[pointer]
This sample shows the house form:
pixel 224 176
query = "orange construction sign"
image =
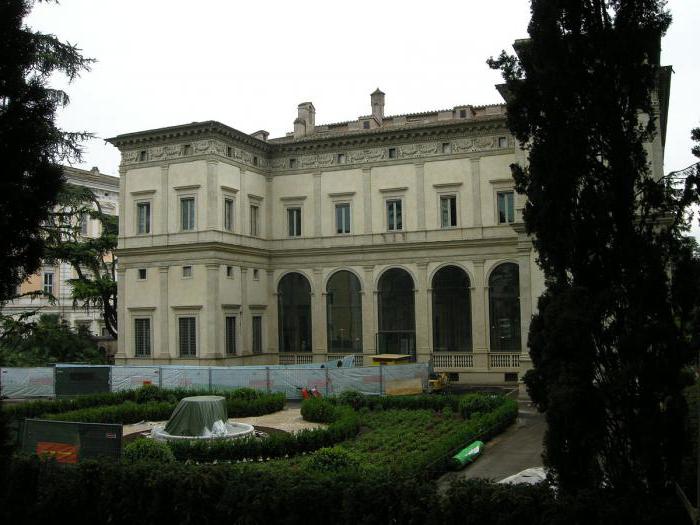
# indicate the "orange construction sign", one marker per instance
pixel 63 452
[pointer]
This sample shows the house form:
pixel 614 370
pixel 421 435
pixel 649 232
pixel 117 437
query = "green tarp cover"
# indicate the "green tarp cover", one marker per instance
pixel 193 414
pixel 468 454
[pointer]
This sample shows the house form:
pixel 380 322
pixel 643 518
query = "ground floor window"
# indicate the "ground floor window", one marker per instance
pixel 257 334
pixel 142 336
pixel 188 336
pixel 397 314
pixel 451 311
pixel 230 335
pixel 344 313
pixel 294 311
pixel 504 308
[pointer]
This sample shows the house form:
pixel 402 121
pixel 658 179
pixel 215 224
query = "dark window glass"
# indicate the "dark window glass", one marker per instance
pixel 294 222
pixel 505 207
pixel 342 218
pixel 294 311
pixel 142 337
pixel 230 335
pixel 504 308
pixel 344 313
pixel 257 334
pixel 451 311
pixel 397 321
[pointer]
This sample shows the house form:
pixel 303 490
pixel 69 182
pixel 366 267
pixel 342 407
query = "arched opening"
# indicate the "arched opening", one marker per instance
pixel 452 325
pixel 397 314
pixel 504 308
pixel 344 313
pixel 294 313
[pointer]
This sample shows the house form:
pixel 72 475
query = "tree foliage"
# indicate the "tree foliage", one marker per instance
pixel 31 145
pixel 612 333
pixel 91 258
pixel 47 341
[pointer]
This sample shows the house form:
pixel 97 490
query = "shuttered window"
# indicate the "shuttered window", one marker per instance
pixel 230 335
pixel 142 336
pixel 188 337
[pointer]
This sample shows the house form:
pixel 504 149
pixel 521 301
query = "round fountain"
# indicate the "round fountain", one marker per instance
pixel 201 417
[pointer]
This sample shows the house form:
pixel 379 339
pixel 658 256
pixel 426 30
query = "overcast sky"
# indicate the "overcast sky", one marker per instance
pixel 249 64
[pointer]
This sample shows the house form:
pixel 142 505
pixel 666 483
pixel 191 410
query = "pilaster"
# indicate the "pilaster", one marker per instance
pixel 212 348
pixel 272 314
pixel 476 190
pixel 246 328
pixel 317 205
pixel 318 314
pixel 420 195
pixel 269 207
pixel 368 318
pixel 243 206
pixel 122 207
pixel 163 348
pixel 479 298
pixel 124 331
pixel 422 320
pixel 212 218
pixel 164 199
pixel 367 199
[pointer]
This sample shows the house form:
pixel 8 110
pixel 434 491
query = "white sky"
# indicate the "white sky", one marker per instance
pixel 249 64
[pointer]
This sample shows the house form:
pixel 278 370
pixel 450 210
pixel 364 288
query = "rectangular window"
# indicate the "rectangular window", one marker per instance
pixel 392 153
pixel 342 218
pixel 142 274
pixel 448 211
pixel 48 283
pixel 229 272
pixel 187 213
pixel 257 334
pixel 294 222
pixel 341 158
pixel 292 163
pixel 143 156
pixel 505 207
pixel 188 336
pixel 502 142
pixel 186 271
pixel 253 220
pixel 143 217
pixel 393 215
pixel 142 337
pixel 84 224
pixel 228 214
pixel 230 335
pixel 229 151
pixel 446 147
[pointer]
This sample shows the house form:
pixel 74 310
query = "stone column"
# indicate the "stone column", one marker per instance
pixel 211 325
pixel 421 306
pixel 318 316
pixel 367 199
pixel 212 217
pixel 317 207
pixel 246 328
pixel 479 298
pixel 163 351
pixel 122 351
pixel 476 190
pixel 368 326
pixel 164 200
pixel 269 207
pixel 420 195
pixel 273 316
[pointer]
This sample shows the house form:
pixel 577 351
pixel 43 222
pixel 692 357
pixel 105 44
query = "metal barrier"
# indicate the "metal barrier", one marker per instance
pixel 328 378
pixel 70 442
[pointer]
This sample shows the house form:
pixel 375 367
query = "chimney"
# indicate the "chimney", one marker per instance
pixel 261 135
pixel 299 128
pixel 378 105
pixel 307 114
pixel 95 170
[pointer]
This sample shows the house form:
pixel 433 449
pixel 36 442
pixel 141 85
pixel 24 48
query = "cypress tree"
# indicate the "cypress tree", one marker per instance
pixel 607 343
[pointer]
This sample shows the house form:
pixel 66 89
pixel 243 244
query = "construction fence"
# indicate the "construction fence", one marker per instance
pixel 327 378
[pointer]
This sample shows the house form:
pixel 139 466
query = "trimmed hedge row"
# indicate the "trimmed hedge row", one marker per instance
pixel 466 405
pixel 344 424
pixel 146 403
pixel 34 490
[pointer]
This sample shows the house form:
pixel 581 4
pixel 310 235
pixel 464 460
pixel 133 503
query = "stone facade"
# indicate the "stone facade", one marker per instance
pixel 208 270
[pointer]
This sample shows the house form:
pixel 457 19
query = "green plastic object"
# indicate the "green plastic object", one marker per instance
pixel 195 414
pixel 468 454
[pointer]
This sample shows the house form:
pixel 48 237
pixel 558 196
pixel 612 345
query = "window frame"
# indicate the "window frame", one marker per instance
pixel 191 271
pixel 149 339
pixel 227 339
pixel 454 218
pixel 256 344
pixel 50 285
pixel 343 204
pixel 294 221
pixel 181 199
pixel 195 319
pixel 139 204
pixel 254 231
pixel 387 202
pixel 138 274
pixel 229 215
pixel 505 192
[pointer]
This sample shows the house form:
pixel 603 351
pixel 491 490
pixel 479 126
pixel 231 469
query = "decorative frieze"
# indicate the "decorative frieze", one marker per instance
pixel 309 161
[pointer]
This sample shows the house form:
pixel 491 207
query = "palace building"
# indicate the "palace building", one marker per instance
pixel 385 234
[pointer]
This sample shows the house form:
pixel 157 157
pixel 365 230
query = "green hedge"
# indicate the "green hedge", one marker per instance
pixel 146 403
pixel 93 492
pixel 344 424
